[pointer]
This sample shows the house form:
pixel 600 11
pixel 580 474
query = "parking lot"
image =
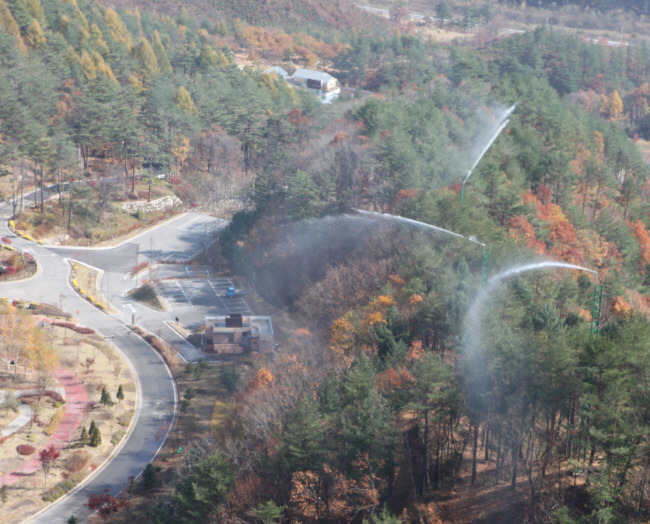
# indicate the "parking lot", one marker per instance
pixel 202 292
pixel 165 271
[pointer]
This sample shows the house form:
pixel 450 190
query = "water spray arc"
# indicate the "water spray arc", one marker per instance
pixel 473 340
pixel 485 269
pixel 502 124
pixel 472 330
pixel 486 254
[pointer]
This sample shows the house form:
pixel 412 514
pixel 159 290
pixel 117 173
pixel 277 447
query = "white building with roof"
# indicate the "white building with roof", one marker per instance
pixel 323 84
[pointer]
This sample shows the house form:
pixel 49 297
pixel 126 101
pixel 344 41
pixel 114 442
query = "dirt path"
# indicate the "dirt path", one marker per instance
pixel 74 409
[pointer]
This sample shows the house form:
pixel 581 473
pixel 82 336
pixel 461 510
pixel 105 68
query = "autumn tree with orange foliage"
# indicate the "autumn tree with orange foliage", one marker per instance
pixel 643 238
pixel 522 231
pixel 262 378
pixel 620 307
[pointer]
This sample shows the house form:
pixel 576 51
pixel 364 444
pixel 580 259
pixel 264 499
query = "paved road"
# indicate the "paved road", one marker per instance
pixel 182 236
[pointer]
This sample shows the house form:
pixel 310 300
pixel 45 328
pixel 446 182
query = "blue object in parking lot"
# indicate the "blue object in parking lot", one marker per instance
pixel 231 292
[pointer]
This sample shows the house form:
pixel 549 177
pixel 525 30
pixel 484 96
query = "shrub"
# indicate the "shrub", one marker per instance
pixel 125 419
pixel 25 449
pixel 139 267
pixel 77 461
pixel 56 397
pixel 62 487
pixel 74 327
pixel 117 437
pixel 54 422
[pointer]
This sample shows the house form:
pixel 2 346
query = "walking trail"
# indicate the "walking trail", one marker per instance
pixel 74 409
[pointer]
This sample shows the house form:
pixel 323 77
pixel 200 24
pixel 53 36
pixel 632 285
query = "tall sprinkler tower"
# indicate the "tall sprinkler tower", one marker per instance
pixel 595 308
pixel 485 270
pixel 502 124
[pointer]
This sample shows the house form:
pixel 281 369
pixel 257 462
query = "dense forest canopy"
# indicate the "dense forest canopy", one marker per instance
pixel 369 414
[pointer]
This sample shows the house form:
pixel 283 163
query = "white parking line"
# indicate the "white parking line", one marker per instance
pixel 218 295
pixel 183 291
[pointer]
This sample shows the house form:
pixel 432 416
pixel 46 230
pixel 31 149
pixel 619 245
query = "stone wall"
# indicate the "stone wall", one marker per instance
pixel 160 204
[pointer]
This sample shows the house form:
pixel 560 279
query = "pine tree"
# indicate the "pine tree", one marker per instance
pixel 208 58
pixel 120 393
pixel 443 11
pixel 149 475
pixel 95 435
pixel 302 198
pixel 106 399
pixel 84 438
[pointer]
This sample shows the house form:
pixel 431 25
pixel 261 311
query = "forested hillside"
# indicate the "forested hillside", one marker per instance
pixel 390 398
pixel 394 407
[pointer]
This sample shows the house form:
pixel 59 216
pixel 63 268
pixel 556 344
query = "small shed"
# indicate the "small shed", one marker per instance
pixel 278 71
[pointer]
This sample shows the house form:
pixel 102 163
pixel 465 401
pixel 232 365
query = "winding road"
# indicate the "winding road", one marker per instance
pixel 158 396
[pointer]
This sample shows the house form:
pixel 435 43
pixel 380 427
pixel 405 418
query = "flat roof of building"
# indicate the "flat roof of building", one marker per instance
pixel 263 324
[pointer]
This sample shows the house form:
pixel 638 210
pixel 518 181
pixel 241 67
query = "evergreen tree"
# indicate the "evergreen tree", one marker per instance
pixel 120 393
pixel 443 11
pixel 205 485
pixel 301 199
pixel 305 439
pixel 229 378
pixel 84 439
pixel 95 435
pixel 106 398
pixel 269 512
pixel 149 475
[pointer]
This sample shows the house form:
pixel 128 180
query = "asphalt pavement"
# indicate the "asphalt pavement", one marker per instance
pixel 178 239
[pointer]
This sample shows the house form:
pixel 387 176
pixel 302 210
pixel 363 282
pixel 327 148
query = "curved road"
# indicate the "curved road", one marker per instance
pixel 157 390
